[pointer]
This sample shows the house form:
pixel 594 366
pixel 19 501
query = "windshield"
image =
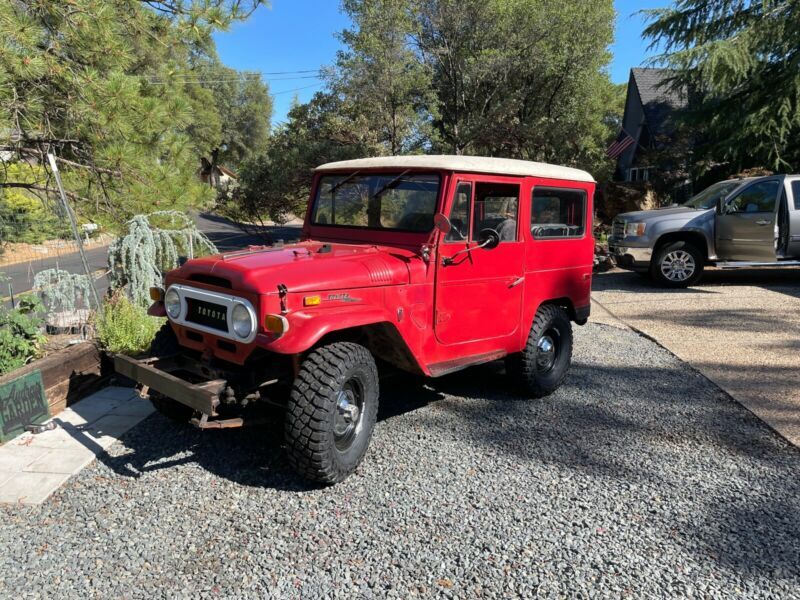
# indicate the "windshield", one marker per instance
pixel 398 201
pixel 709 196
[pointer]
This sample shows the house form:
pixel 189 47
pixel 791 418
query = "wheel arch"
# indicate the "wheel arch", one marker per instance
pixel 382 339
pixel 696 238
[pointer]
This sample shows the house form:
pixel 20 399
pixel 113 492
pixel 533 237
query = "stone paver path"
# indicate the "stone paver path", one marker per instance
pixel 33 466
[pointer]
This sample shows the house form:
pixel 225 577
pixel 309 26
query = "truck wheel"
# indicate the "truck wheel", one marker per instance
pixel 542 366
pixel 164 344
pixel 332 411
pixel 677 265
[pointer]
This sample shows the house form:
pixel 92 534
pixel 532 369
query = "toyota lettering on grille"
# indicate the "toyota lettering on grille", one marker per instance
pixel 208 314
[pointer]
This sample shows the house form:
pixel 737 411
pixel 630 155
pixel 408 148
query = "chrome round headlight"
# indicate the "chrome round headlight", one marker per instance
pixel 172 302
pixel 242 321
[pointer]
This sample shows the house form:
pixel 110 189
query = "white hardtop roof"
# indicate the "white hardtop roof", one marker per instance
pixel 468 164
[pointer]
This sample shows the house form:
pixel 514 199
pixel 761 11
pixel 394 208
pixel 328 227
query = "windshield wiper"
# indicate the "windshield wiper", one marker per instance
pixel 389 184
pixel 336 186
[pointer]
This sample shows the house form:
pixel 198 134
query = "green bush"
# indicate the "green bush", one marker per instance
pixel 21 338
pixel 124 327
pixel 23 216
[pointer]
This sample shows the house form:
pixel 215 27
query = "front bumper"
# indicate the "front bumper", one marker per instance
pixel 159 374
pixel 630 257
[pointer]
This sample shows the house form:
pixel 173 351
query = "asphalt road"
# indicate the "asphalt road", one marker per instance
pixel 226 235
pixel 637 479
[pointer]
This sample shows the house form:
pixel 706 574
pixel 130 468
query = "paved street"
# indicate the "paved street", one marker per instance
pixel 637 479
pixel 739 328
pixel 225 234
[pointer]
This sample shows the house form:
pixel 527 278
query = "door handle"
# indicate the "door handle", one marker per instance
pixel 517 281
pixel 763 222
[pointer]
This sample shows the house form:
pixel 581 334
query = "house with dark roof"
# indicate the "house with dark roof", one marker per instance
pixel 650 107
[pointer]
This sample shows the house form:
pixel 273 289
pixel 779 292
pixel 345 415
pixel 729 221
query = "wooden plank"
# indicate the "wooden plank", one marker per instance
pixel 67 375
pixel 196 397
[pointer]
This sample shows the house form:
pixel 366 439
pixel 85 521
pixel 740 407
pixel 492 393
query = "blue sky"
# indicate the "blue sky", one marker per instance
pixel 300 35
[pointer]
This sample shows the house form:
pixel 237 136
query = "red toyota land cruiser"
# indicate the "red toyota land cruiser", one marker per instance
pixel 429 264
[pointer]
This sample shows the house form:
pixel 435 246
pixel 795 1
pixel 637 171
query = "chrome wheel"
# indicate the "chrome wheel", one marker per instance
pixel 349 410
pixel 678 266
pixel 546 352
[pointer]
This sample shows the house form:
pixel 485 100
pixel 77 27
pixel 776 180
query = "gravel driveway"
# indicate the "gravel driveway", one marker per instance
pixel 638 478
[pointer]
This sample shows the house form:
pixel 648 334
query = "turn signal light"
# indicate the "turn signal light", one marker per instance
pixel 156 294
pixel 276 324
pixel 312 300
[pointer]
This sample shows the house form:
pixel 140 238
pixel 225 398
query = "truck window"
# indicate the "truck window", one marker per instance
pixel 796 194
pixel 459 213
pixel 757 198
pixel 557 213
pixel 496 207
pixel 392 201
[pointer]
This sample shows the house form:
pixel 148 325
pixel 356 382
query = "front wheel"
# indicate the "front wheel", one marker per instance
pixel 332 411
pixel 677 265
pixel 543 364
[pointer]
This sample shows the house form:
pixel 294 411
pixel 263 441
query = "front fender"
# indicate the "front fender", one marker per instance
pixel 306 327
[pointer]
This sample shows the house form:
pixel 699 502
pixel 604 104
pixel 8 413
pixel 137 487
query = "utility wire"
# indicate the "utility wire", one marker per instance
pixel 305 87
pixel 234 80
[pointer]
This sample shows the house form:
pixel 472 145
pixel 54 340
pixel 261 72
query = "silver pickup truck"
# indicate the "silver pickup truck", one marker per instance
pixel 737 223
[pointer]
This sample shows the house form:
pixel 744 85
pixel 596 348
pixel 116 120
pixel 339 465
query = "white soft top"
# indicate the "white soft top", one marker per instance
pixel 468 164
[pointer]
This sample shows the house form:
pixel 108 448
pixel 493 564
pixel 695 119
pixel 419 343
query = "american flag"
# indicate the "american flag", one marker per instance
pixel 623 140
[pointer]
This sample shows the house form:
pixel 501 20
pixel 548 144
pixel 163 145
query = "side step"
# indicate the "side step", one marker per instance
pixel 746 264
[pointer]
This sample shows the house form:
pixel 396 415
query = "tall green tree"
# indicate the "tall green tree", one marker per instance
pixel 519 78
pixel 108 85
pixel 380 81
pixel 740 61
pixel 237 124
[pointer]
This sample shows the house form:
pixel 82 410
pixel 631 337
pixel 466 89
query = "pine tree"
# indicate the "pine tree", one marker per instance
pixel 740 59
pixel 108 85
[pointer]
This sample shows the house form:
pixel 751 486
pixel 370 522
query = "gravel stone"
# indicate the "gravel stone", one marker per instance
pixel 637 479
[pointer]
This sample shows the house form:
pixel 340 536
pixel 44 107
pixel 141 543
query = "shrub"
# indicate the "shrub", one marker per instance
pixel 24 217
pixel 152 246
pixel 63 291
pixel 21 338
pixel 124 327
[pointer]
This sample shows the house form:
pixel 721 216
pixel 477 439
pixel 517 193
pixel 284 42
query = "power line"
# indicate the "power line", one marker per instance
pixel 305 87
pixel 234 80
pixel 187 78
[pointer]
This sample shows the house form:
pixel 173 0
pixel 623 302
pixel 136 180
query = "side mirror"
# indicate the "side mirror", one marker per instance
pixel 488 238
pixel 442 223
pixel 721 206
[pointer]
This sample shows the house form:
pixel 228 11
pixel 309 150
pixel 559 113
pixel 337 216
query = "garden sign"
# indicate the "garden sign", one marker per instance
pixel 22 402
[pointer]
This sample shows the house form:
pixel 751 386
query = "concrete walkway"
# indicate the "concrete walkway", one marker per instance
pixel 741 329
pixel 34 466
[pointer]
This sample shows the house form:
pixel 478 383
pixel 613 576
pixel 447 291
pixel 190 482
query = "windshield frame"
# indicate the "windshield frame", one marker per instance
pixel 387 173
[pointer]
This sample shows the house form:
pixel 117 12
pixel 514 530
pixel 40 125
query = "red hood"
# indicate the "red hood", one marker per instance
pixel 304 267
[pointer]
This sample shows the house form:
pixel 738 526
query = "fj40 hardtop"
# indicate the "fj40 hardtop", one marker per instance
pixel 427 264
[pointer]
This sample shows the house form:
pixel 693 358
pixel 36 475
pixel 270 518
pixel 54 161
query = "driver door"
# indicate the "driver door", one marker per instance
pixel 747 227
pixel 479 295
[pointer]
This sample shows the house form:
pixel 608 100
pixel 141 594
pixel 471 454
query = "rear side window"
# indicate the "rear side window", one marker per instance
pixel 558 213
pixel 757 198
pixel 796 194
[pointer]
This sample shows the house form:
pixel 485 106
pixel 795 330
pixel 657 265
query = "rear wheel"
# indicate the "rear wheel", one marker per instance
pixel 332 411
pixel 542 366
pixel 677 265
pixel 165 343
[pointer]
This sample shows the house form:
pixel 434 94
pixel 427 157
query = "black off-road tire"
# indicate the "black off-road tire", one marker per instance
pixel 313 447
pixel 165 343
pixel 671 249
pixel 524 367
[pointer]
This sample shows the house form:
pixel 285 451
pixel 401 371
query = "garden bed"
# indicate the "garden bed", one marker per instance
pixel 67 375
